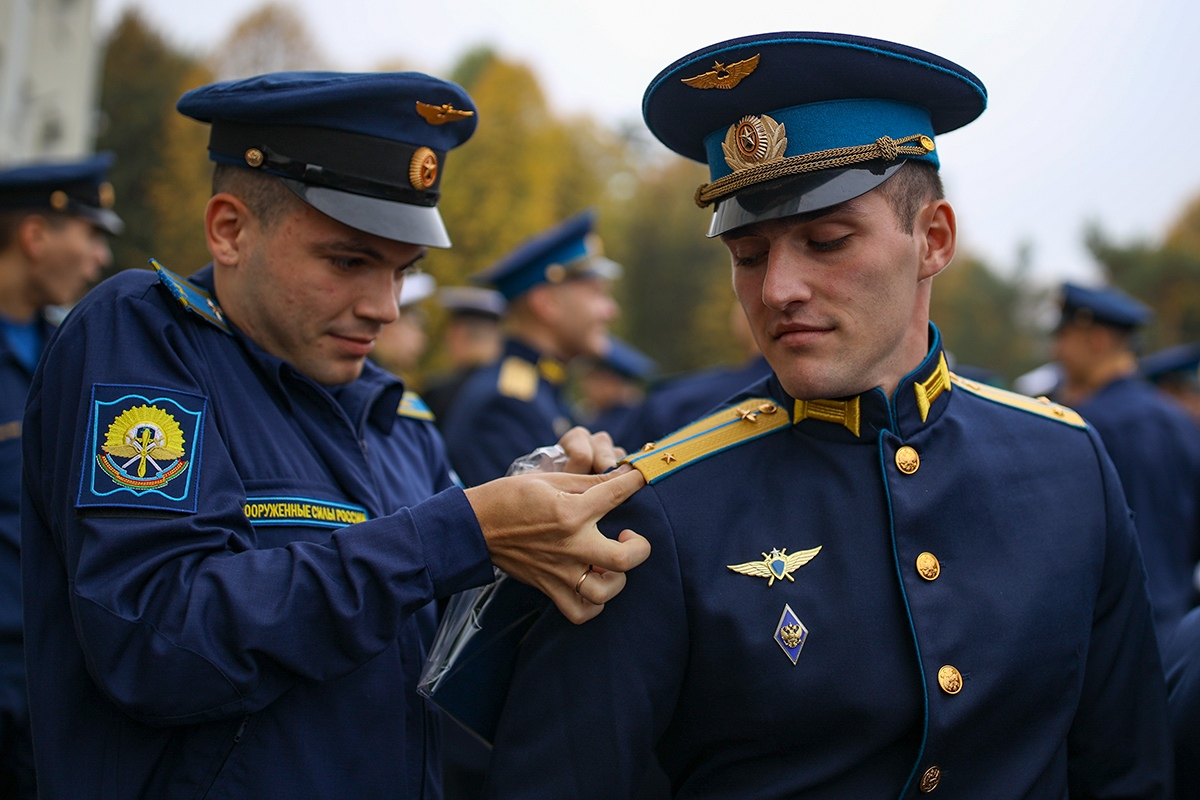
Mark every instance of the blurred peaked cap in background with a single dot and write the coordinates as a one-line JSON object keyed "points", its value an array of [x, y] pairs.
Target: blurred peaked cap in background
{"points": [[625, 359], [568, 251], [367, 149], [472, 301], [1104, 304], [417, 286], [77, 187], [792, 122]]}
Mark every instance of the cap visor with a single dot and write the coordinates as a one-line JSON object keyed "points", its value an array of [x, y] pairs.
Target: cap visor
{"points": [[401, 222], [799, 194], [103, 218]]}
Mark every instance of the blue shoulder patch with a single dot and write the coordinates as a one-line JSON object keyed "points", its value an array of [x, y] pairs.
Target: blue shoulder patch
{"points": [[191, 297], [142, 448], [411, 405]]}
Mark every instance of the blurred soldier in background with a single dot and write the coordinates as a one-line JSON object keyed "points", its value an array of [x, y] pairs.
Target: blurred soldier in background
{"points": [[1174, 370], [612, 386], [558, 289], [1153, 444], [471, 338], [54, 217]]}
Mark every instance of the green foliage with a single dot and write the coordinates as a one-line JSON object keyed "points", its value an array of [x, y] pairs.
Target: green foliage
{"points": [[140, 83]]}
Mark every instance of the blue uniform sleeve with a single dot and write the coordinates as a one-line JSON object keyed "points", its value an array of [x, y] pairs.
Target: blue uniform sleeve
{"points": [[1183, 682], [1118, 745], [588, 703], [180, 618], [484, 437]]}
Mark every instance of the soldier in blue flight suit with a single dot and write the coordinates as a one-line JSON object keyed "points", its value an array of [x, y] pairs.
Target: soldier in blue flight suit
{"points": [[233, 526], [1151, 440], [870, 578], [54, 216], [558, 289]]}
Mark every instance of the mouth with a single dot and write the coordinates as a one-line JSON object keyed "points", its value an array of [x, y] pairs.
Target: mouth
{"points": [[794, 334], [357, 346]]}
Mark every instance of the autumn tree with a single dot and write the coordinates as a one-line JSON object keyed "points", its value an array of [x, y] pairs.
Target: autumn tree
{"points": [[271, 38]]}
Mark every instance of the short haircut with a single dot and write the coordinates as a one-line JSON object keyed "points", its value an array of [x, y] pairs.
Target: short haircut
{"points": [[914, 184], [265, 195], [10, 221]]}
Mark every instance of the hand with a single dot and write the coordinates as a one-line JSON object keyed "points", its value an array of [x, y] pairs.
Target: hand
{"points": [[541, 530], [589, 453]]}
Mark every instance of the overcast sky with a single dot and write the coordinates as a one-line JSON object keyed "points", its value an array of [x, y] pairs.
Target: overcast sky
{"points": [[1093, 115]]}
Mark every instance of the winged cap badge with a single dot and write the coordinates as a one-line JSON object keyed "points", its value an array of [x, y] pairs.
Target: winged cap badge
{"points": [[723, 77], [776, 565], [440, 115]]}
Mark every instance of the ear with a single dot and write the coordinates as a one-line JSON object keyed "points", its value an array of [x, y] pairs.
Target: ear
{"points": [[543, 302], [936, 230], [226, 219], [33, 232]]}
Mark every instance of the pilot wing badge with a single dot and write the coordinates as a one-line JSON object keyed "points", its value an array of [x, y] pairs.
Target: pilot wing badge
{"points": [[776, 565]]}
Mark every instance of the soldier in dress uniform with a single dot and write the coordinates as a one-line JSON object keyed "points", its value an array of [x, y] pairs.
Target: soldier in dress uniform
{"points": [[612, 386], [870, 578], [1151, 440], [234, 526], [54, 219], [558, 289]]}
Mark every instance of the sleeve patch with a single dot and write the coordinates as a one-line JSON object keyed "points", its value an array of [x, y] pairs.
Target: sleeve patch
{"points": [[142, 448]]}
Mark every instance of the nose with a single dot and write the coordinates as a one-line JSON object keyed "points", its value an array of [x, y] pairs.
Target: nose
{"points": [[379, 298], [786, 280]]}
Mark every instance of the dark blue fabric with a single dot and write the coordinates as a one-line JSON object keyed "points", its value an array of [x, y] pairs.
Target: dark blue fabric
{"points": [[185, 654], [1040, 604], [486, 430], [1156, 450], [672, 405], [1183, 686], [15, 754]]}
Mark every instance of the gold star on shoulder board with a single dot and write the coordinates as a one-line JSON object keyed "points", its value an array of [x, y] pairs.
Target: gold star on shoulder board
{"points": [[723, 77], [776, 565], [440, 115]]}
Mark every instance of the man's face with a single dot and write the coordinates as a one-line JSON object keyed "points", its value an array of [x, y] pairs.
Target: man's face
{"points": [[834, 298], [316, 292], [402, 343], [70, 258], [583, 309], [1073, 349]]}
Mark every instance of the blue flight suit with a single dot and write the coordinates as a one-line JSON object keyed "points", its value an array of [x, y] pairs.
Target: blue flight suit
{"points": [[676, 403], [228, 568], [1156, 450], [859, 599], [16, 757], [504, 411], [1183, 687]]}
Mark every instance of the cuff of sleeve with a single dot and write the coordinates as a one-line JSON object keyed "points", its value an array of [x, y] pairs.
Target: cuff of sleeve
{"points": [[456, 553]]}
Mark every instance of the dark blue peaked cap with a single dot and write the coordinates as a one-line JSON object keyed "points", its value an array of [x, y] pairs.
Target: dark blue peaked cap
{"points": [[793, 122], [1181, 360], [1106, 304], [367, 149], [79, 187], [568, 250]]}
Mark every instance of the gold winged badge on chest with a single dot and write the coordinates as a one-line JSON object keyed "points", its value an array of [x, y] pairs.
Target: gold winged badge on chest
{"points": [[776, 565]]}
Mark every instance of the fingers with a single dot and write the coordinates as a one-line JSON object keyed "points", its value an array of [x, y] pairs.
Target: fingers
{"points": [[594, 590], [612, 489], [606, 555], [589, 453]]}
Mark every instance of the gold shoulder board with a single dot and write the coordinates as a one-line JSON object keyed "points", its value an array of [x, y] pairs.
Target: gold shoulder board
{"points": [[1042, 406], [412, 406], [747, 420], [518, 379]]}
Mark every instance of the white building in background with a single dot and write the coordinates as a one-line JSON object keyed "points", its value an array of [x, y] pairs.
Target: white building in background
{"points": [[48, 79]]}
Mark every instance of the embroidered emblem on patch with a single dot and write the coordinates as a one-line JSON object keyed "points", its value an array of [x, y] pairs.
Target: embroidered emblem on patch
{"points": [[790, 633], [143, 448]]}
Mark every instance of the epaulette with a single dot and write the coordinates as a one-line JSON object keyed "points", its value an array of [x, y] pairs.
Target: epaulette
{"points": [[412, 406], [749, 419], [191, 297], [518, 379], [1042, 406]]}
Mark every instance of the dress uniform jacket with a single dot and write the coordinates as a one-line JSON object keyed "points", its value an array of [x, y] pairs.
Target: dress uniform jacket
{"points": [[1183, 687], [859, 599], [228, 568], [1156, 450], [504, 411]]}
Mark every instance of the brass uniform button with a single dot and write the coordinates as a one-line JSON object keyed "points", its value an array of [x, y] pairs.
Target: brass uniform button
{"points": [[928, 567], [950, 679], [931, 779], [907, 460]]}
